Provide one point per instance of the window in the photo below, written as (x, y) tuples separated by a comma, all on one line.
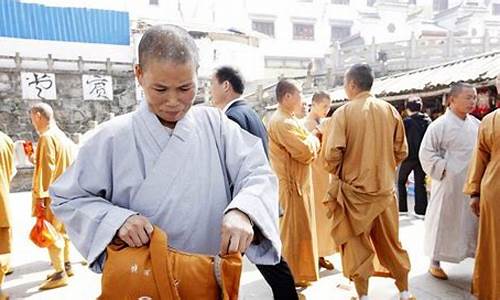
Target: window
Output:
[(340, 32), (496, 9), (341, 2), (265, 27), (370, 2), (440, 5), (153, 2), (412, 1), (303, 31)]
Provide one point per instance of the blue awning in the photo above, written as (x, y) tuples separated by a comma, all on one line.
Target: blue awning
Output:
[(71, 24)]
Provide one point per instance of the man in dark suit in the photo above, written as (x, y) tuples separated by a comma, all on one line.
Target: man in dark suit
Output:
[(227, 86)]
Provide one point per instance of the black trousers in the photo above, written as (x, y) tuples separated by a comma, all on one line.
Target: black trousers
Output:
[(420, 192), (280, 279)]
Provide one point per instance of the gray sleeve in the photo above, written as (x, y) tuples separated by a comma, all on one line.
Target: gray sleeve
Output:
[(79, 200), (431, 155)]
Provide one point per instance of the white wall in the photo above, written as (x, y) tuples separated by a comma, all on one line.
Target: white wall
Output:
[(249, 60), (64, 50)]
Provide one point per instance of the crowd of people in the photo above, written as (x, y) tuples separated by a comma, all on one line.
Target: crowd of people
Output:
[(217, 181)]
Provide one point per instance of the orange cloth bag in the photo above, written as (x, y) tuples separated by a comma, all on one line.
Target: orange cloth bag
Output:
[(43, 234), (159, 272)]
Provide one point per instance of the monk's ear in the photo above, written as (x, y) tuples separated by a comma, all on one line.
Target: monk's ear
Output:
[(139, 73)]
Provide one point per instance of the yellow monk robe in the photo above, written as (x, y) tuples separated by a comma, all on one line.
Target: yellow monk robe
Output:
[(291, 150), (7, 170), (365, 144), (320, 182), (484, 180), (54, 153)]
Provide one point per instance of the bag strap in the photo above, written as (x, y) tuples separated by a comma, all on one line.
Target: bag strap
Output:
[(162, 269)]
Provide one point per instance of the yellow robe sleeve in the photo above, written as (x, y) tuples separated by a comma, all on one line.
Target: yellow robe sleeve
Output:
[(480, 159), (335, 143), (400, 143), (8, 165), (302, 146), (45, 161), (6, 174)]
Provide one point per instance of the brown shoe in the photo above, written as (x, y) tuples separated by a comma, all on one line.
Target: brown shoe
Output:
[(438, 273), (325, 263), (56, 280), (303, 284), (68, 269)]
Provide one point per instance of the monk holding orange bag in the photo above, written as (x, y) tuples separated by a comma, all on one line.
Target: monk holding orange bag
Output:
[(159, 272)]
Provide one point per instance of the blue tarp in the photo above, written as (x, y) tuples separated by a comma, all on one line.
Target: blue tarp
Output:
[(71, 24)]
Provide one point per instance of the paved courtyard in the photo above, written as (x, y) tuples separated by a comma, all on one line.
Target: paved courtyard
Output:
[(31, 266)]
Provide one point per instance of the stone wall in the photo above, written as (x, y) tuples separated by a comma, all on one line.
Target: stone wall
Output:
[(22, 182), (71, 111)]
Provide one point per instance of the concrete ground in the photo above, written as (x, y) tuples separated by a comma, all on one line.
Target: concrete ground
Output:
[(31, 266)]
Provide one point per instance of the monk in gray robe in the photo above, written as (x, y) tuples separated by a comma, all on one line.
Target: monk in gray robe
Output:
[(188, 170)]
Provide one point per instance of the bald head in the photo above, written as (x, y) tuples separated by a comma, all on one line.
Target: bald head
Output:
[(320, 97), (167, 43), (362, 75), (285, 87), (458, 87), (44, 110)]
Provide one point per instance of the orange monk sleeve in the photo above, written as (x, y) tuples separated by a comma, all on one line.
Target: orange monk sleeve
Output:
[(302, 146), (335, 143), (480, 159), (45, 167), (400, 143)]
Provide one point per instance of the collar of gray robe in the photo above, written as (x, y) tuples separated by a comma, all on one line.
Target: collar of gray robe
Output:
[(182, 129), (171, 158)]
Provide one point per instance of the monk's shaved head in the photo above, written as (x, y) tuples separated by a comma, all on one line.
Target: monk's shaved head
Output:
[(458, 87), (362, 75), (167, 43), (44, 109), (320, 97), (285, 86)]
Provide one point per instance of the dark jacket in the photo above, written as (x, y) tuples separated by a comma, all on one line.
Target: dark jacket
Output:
[(415, 127), (241, 113)]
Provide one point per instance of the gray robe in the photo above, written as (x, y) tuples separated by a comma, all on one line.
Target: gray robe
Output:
[(450, 225), (181, 180)]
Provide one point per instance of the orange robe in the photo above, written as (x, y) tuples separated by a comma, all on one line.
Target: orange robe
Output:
[(291, 151), (484, 180), (54, 153), (7, 170), (320, 181), (365, 144)]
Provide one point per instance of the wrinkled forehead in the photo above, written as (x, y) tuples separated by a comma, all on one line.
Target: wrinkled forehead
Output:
[(171, 67)]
